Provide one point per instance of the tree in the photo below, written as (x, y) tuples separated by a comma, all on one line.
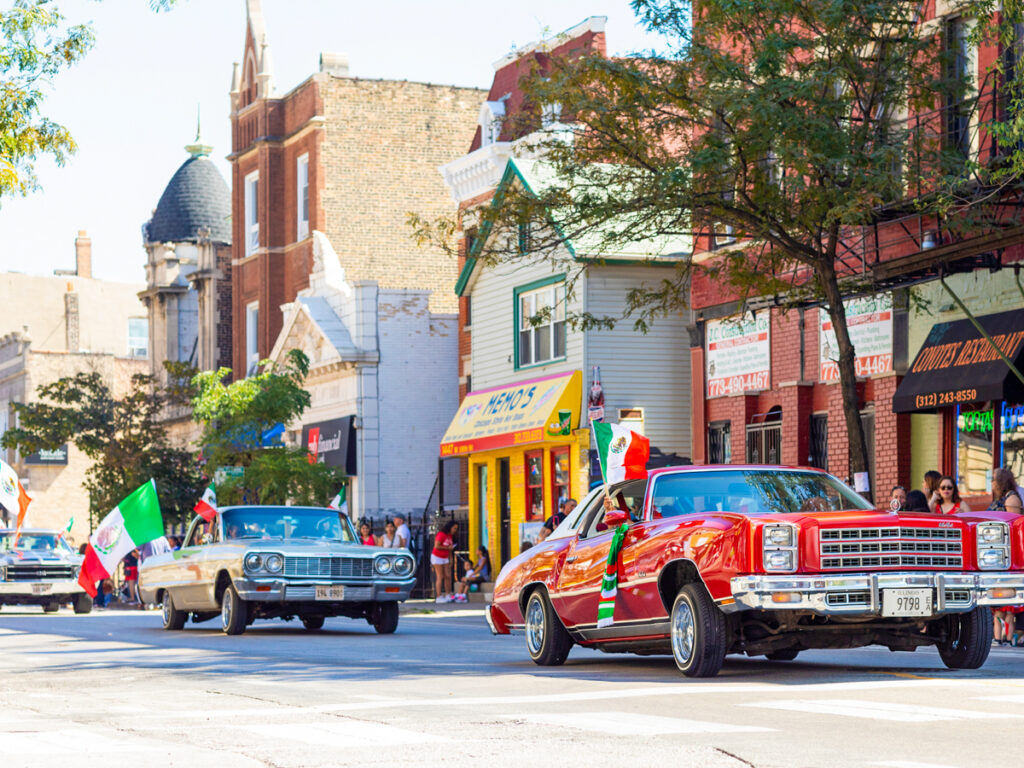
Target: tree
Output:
[(236, 418), (784, 124), (35, 45), (125, 437)]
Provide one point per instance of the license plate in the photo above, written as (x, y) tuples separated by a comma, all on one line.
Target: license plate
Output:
[(41, 589), (331, 592), (906, 602)]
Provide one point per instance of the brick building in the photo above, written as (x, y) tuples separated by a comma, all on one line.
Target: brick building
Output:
[(323, 179)]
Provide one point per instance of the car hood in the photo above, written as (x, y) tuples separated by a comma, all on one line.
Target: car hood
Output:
[(33, 556)]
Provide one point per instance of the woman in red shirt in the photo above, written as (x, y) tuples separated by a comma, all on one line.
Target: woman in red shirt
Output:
[(440, 561)]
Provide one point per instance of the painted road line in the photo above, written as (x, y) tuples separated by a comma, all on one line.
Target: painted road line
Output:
[(345, 733), (631, 723), (1013, 698), (880, 710), (910, 764), (65, 741)]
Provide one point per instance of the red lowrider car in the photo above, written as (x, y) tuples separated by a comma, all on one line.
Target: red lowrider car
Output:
[(763, 561)]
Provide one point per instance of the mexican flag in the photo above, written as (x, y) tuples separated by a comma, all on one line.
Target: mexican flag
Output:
[(13, 496), (623, 452), (132, 523), (340, 501), (206, 507)]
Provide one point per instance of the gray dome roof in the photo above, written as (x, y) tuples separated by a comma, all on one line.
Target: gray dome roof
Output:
[(196, 197)]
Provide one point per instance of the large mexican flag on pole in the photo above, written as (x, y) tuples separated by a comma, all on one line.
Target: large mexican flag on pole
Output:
[(132, 523), (623, 453)]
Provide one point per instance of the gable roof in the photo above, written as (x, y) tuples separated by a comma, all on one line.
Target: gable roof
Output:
[(591, 246)]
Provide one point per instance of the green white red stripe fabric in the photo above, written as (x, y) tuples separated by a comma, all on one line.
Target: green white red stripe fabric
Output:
[(610, 582), (340, 501), (132, 523), (206, 507), (13, 496), (623, 453)]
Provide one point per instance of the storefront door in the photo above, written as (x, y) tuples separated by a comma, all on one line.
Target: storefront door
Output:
[(504, 511)]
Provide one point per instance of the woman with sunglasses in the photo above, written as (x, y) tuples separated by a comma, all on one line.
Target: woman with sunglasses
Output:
[(949, 497)]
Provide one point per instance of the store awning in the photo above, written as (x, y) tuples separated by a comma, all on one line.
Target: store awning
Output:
[(526, 412), (957, 365)]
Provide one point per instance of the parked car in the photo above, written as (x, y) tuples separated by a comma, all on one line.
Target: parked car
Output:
[(761, 561), (43, 570), (262, 562)]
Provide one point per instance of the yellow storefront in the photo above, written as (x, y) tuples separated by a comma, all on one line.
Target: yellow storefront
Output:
[(525, 451)]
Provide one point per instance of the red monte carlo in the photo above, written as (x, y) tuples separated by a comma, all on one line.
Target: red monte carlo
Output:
[(761, 561)]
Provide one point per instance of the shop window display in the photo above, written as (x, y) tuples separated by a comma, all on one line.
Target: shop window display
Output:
[(974, 451), (534, 487), (559, 477), (1011, 436)]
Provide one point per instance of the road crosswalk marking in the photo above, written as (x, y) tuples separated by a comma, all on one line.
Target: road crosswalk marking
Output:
[(880, 710), (631, 723)]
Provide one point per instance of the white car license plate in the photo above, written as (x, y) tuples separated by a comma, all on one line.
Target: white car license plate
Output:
[(331, 592), (906, 602), (41, 589)]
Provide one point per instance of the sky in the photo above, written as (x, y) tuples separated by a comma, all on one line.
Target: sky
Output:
[(131, 104)]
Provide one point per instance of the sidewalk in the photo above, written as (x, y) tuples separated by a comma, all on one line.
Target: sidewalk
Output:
[(427, 606)]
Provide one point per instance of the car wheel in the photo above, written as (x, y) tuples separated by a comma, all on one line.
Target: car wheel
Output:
[(51, 607), (787, 654), (698, 633), (174, 617), (312, 622), (546, 639), (969, 639), (234, 612), (83, 603), (384, 617)]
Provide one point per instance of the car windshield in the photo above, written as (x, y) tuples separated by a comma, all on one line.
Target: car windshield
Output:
[(753, 492), (287, 523), (41, 542)]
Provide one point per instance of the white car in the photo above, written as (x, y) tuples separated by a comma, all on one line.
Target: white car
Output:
[(43, 570)]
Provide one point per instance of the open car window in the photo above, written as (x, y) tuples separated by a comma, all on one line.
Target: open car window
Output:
[(752, 492), (628, 497), (572, 522)]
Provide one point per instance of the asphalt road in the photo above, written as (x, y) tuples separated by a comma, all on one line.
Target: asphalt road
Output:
[(113, 688)]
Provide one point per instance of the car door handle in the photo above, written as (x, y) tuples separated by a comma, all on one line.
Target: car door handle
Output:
[(571, 559)]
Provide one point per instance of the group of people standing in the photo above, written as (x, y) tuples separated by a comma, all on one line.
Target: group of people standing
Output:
[(939, 493), (396, 533)]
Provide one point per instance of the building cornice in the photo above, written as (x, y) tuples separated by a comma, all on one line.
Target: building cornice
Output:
[(314, 123), (478, 172)]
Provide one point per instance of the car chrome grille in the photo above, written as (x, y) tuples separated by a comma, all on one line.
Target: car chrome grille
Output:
[(891, 547), (328, 567), (40, 572), (308, 592), (848, 598)]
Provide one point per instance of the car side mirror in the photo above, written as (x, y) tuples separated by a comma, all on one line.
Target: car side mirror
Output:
[(613, 518)]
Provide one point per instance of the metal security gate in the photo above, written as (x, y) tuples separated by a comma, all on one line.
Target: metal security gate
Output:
[(719, 448), (818, 453), (764, 438)]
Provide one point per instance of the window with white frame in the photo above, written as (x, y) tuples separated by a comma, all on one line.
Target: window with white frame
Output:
[(252, 218), (540, 312), (138, 337), (551, 114), (252, 346), (302, 197)]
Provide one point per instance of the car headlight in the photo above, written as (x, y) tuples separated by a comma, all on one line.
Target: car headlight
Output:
[(383, 565), (779, 547), (403, 565), (993, 543), (253, 561), (3, 573), (273, 563), (779, 536), (992, 533)]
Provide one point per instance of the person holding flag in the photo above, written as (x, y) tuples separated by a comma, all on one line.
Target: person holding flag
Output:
[(206, 507), (13, 497), (135, 521), (623, 455)]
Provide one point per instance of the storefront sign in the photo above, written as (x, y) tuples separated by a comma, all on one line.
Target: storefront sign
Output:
[(531, 411), (957, 365), (56, 457), (739, 355), (869, 321), (332, 442)]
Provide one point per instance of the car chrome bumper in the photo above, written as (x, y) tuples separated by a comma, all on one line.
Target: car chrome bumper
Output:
[(860, 594), (38, 589), (273, 590)]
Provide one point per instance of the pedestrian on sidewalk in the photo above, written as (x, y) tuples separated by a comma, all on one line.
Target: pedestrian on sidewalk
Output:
[(898, 495), (950, 502), (916, 502), (930, 487), (366, 534), (404, 534), (440, 561), (390, 538), (1006, 497)]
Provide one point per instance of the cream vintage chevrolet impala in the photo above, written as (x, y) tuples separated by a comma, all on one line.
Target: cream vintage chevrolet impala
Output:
[(262, 562)]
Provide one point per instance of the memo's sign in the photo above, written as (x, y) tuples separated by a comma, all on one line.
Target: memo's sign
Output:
[(739, 355), (870, 322)]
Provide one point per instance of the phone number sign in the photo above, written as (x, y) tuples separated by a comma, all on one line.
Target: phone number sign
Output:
[(869, 321), (739, 354)]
